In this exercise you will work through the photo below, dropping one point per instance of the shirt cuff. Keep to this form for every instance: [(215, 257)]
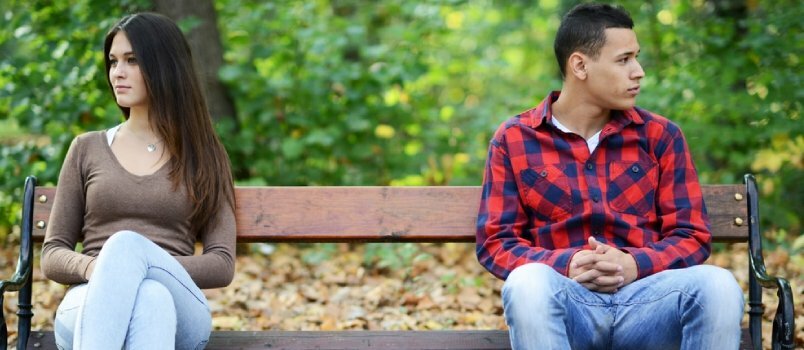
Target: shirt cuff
[(566, 257), (643, 261), (89, 268)]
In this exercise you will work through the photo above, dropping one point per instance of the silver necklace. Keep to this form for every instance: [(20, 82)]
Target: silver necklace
[(150, 146)]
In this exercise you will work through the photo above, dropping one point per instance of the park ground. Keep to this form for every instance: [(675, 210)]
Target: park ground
[(374, 287)]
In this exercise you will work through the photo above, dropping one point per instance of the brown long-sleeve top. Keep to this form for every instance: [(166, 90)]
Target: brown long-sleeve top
[(97, 197)]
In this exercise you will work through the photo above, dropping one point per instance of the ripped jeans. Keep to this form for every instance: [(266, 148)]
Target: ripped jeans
[(139, 297)]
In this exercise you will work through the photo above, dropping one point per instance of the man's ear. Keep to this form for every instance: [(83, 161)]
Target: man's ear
[(576, 65)]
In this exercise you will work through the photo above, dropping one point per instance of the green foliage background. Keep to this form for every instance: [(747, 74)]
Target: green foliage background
[(408, 92)]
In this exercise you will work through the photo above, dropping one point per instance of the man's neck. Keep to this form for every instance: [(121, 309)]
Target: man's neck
[(580, 116)]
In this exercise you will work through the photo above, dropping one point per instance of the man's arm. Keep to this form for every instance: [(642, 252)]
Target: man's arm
[(501, 246)]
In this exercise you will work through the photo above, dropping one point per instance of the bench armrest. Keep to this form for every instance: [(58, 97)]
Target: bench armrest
[(784, 321), (21, 280)]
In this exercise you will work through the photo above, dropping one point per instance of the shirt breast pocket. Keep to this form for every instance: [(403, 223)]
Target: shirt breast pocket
[(546, 190), (632, 187)]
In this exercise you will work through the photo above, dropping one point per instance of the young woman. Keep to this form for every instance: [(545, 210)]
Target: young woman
[(138, 196)]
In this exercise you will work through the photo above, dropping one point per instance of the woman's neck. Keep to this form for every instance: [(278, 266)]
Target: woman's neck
[(138, 121)]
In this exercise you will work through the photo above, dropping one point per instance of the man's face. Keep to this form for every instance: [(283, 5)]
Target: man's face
[(613, 78)]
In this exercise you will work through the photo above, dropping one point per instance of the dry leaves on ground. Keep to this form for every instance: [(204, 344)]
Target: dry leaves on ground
[(444, 287)]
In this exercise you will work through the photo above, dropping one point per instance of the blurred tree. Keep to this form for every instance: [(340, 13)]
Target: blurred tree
[(349, 92), (199, 21)]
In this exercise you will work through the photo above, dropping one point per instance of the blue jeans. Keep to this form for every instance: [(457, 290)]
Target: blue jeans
[(138, 297), (698, 307)]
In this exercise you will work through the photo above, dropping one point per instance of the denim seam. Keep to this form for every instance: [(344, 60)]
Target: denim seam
[(61, 311), (684, 293), (583, 301), (182, 284), (610, 344)]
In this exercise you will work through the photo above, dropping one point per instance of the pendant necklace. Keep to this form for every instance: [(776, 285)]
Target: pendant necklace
[(150, 146)]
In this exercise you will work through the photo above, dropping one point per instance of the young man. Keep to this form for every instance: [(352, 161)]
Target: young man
[(593, 215)]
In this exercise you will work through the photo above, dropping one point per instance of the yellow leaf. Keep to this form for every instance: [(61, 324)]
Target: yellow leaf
[(384, 131), (433, 325), (226, 322)]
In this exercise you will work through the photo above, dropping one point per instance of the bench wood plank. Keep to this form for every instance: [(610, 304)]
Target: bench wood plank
[(391, 214), (348, 340)]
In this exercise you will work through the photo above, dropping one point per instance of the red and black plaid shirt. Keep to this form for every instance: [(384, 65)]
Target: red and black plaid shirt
[(544, 194)]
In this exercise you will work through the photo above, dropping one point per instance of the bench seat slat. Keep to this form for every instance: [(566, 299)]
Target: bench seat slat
[(336, 340), (348, 340), (391, 214)]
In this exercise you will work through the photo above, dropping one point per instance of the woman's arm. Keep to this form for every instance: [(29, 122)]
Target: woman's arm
[(214, 268), (60, 261)]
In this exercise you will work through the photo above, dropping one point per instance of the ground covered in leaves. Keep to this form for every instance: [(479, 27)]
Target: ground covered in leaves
[(376, 287)]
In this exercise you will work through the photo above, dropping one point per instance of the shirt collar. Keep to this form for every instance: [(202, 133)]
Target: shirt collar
[(543, 114)]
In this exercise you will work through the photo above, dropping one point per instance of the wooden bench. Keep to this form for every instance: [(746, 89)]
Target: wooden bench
[(395, 214)]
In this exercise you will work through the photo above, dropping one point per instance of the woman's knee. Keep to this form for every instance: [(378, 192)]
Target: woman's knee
[(122, 242), (153, 319), (154, 305), (124, 237), (155, 295)]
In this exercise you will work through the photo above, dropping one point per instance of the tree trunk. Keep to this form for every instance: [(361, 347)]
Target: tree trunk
[(205, 41)]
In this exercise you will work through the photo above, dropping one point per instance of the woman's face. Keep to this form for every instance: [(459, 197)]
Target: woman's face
[(124, 74)]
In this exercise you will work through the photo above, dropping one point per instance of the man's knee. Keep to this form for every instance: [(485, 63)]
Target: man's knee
[(529, 280), (719, 281), (718, 291), (714, 292)]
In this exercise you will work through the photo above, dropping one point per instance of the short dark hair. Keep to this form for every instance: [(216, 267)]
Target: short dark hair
[(584, 29)]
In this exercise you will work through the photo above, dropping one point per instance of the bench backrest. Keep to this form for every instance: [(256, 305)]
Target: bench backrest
[(391, 214)]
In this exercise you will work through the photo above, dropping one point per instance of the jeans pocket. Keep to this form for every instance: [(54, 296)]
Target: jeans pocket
[(632, 187), (546, 191)]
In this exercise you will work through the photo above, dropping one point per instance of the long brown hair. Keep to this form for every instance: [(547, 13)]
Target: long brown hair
[(178, 112)]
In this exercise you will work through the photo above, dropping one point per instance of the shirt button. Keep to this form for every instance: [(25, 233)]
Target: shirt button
[(635, 169), (589, 166), (596, 233), (596, 199), (543, 173)]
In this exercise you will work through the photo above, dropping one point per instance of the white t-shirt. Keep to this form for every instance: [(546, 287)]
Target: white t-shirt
[(590, 142), (110, 134)]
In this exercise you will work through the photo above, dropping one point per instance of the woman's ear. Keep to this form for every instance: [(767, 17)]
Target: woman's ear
[(577, 65)]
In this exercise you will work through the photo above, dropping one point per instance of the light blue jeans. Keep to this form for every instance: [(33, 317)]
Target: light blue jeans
[(699, 307), (138, 297)]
